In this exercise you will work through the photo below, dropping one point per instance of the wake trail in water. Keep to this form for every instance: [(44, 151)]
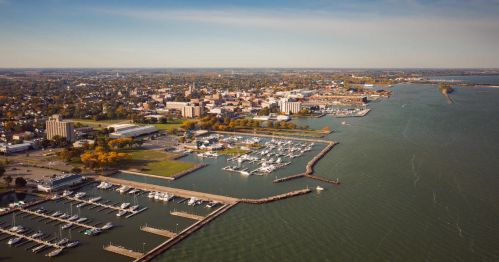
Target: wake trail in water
[(434, 198), (414, 170)]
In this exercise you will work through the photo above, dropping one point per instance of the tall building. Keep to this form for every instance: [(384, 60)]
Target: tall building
[(192, 111), (55, 126), (288, 107)]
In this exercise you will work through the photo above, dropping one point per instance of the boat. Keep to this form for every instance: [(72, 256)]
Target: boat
[(151, 195), (319, 188), (92, 232), (211, 204), (134, 191), (192, 201), (37, 234), (72, 244), (123, 189), (81, 220), (121, 213), (72, 218), (125, 205), (95, 199), (62, 242), (66, 226), (133, 208), (80, 194), (81, 205), (108, 225), (17, 229), (54, 252), (64, 216), (38, 248), (67, 193), (14, 240), (56, 214)]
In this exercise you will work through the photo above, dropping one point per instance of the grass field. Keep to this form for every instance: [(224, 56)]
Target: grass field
[(155, 162)]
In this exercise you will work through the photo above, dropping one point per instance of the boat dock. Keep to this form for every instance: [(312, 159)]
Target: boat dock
[(123, 251), (187, 215), (57, 219), (276, 197), (30, 239), (157, 231), (184, 234), (105, 206), (176, 191)]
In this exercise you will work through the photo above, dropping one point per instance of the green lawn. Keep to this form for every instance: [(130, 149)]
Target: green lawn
[(155, 162)]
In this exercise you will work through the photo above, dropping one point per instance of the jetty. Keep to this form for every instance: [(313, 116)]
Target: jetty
[(30, 239), (176, 191), (283, 179), (187, 215), (123, 251), (157, 231), (57, 219), (276, 197)]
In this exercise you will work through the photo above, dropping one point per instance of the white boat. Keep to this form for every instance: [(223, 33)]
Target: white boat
[(64, 216), (17, 229), (66, 226), (151, 195), (72, 244), (192, 201), (125, 205), (72, 218), (81, 205), (133, 208), (14, 240), (133, 191), (81, 220), (319, 188), (121, 213), (38, 248), (54, 252), (108, 225), (123, 189), (67, 193), (56, 214), (211, 204), (62, 242), (95, 199), (80, 194), (37, 234)]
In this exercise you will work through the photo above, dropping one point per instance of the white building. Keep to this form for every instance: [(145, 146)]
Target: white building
[(55, 126), (134, 131), (7, 149), (60, 182), (288, 107)]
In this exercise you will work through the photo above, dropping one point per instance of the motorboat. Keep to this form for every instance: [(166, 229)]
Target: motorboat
[(92, 232), (108, 225), (133, 208), (72, 244), (125, 205), (14, 240), (123, 189), (151, 195), (121, 213), (66, 226), (56, 214), (81, 205), (211, 204), (37, 234), (54, 252), (95, 199), (319, 188), (38, 248), (67, 193), (192, 201), (64, 216), (80, 195), (81, 220), (72, 218), (17, 229), (62, 242), (134, 191)]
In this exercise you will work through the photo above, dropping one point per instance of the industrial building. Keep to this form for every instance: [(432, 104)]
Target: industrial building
[(60, 182), (129, 130)]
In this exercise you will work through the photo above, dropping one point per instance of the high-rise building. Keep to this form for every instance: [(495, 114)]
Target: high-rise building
[(192, 111), (55, 126), (289, 107)]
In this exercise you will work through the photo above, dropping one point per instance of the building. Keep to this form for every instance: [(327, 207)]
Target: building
[(133, 131), (288, 107), (176, 105), (192, 111), (8, 149), (83, 143), (60, 182), (55, 126)]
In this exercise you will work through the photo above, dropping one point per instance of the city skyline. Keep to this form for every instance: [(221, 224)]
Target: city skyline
[(289, 34)]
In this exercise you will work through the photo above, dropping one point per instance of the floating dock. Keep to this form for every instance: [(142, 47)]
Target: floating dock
[(30, 239), (123, 251), (187, 215), (276, 197), (157, 231)]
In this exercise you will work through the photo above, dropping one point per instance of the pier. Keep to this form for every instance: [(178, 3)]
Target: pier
[(30, 239), (310, 165), (326, 180), (187, 215), (157, 231), (57, 219), (123, 251), (176, 191), (283, 179), (276, 197), (184, 234)]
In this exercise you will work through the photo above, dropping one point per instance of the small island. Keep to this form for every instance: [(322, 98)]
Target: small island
[(446, 89)]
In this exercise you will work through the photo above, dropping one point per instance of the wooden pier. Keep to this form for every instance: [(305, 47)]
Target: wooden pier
[(95, 203), (157, 231), (276, 197), (187, 215), (30, 239), (57, 219), (123, 251), (176, 191)]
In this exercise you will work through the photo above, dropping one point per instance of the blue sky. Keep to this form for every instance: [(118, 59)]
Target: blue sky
[(314, 33)]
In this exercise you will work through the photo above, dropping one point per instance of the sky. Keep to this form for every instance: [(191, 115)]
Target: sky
[(257, 33)]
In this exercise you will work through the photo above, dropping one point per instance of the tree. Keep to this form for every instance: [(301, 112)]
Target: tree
[(8, 180), (264, 111), (20, 182), (2, 170), (76, 170)]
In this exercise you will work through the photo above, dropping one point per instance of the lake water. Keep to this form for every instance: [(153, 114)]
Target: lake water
[(419, 183)]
